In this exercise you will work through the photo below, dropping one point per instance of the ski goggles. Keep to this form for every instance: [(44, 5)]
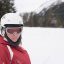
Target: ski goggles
[(11, 30)]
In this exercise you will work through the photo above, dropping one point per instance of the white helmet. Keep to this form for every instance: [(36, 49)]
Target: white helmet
[(11, 18)]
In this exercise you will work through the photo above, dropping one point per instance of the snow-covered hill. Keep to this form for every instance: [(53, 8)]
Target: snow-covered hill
[(44, 45)]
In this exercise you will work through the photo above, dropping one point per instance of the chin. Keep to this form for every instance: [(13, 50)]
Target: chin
[(14, 41)]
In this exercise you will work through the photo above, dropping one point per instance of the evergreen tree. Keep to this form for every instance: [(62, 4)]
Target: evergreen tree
[(6, 6)]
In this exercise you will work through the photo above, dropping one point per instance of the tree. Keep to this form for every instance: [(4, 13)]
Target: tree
[(54, 16), (6, 6)]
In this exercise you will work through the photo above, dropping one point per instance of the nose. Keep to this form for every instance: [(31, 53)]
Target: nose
[(15, 33)]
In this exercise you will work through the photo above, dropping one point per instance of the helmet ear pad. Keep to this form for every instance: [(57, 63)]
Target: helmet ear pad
[(3, 31)]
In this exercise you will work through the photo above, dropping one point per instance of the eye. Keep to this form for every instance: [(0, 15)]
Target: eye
[(9, 31)]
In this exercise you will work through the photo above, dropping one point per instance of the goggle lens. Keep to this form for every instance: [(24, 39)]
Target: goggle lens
[(12, 30)]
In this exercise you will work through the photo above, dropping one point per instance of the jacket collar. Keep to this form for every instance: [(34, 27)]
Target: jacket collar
[(2, 41)]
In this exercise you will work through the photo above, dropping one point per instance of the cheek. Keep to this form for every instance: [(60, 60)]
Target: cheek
[(9, 35)]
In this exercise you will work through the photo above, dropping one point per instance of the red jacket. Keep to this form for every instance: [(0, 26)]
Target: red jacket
[(20, 56)]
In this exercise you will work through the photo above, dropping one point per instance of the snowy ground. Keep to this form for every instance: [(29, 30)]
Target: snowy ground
[(44, 45)]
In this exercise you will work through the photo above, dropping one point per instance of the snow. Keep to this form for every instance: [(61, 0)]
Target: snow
[(44, 45)]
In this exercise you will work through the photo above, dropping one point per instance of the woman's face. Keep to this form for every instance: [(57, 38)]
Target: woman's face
[(13, 33)]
